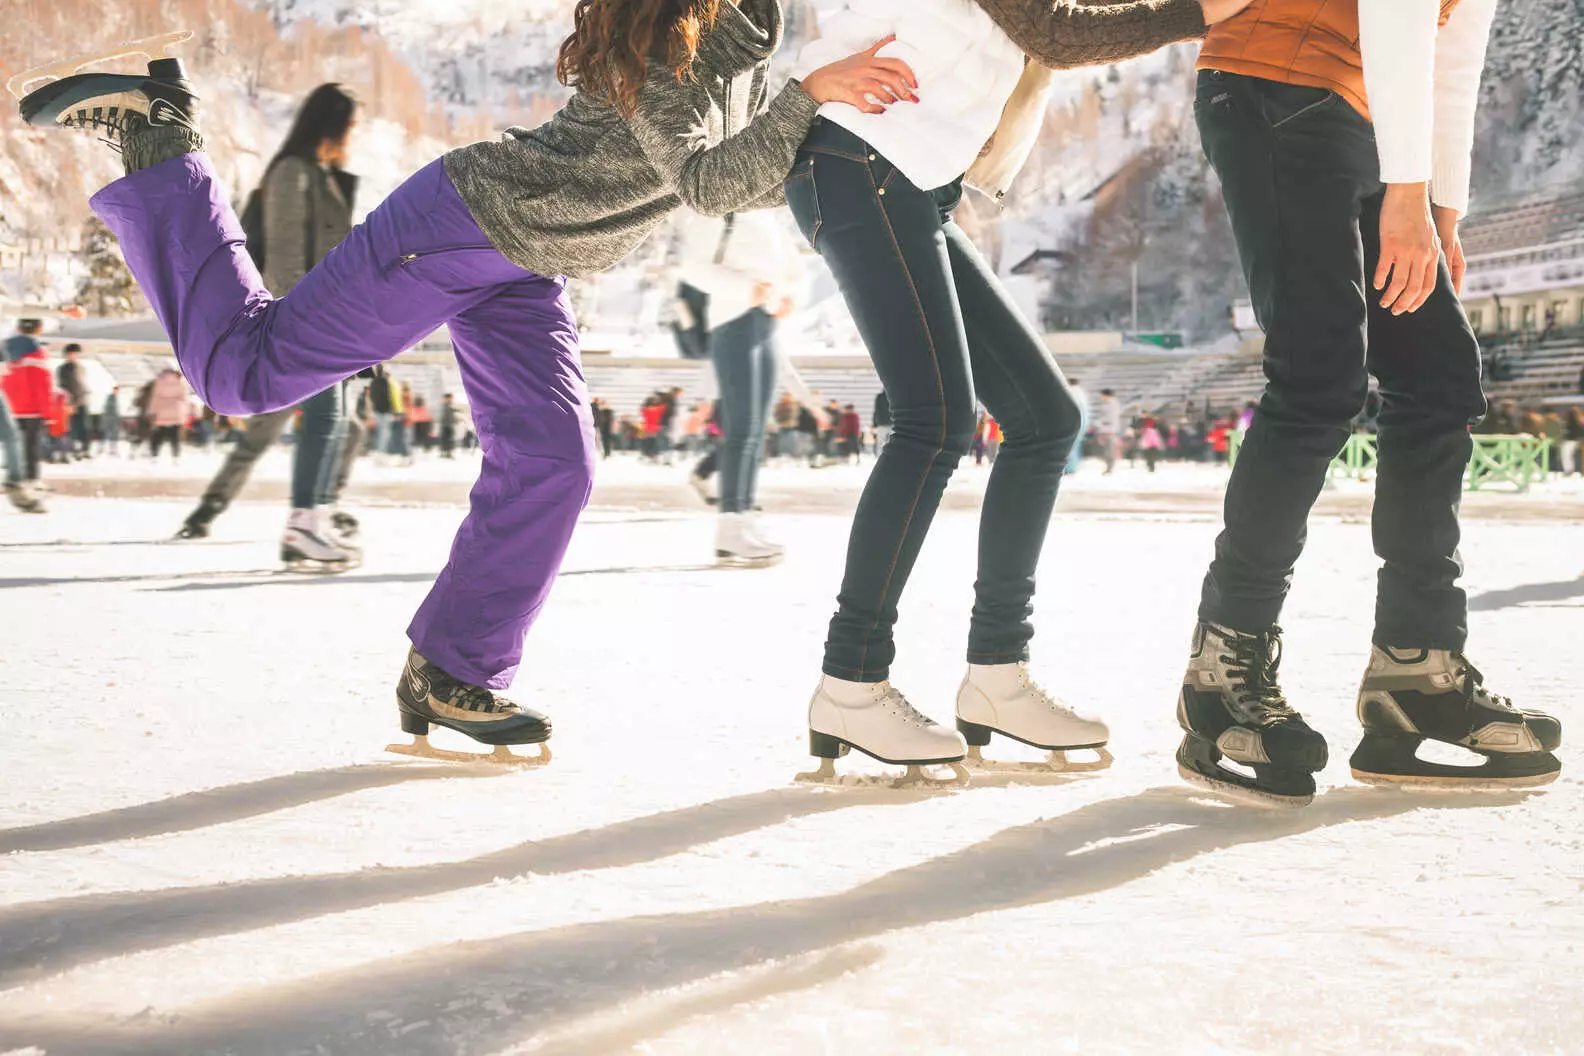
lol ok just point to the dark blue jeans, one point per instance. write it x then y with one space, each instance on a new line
1299 172
316 460
944 336
744 354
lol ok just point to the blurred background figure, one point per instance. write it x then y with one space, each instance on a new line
301 211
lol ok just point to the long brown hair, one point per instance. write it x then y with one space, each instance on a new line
613 41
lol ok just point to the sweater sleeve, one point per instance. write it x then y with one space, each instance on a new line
1397 39
1063 34
1459 61
671 126
286 191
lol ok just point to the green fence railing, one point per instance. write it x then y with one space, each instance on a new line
1517 460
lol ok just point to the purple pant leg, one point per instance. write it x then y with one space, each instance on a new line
518 353
245 351
418 261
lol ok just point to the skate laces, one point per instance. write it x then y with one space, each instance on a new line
460 694
1043 695
114 123
896 702
1252 670
1474 687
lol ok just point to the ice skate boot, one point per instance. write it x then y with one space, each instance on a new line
428 696
736 546
196 526
1002 698
1232 711
157 106
346 526
25 498
760 534
1410 696
876 719
308 547
703 487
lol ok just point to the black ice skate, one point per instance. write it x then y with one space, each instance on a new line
428 696
1412 695
1232 710
196 526
113 106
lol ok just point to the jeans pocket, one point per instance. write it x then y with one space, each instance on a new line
1285 103
803 198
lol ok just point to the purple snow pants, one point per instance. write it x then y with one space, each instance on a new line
417 262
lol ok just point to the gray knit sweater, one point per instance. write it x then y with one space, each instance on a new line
577 194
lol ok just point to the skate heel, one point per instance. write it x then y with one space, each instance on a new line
416 725
1386 758
824 746
976 735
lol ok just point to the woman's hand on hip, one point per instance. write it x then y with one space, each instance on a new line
864 80
1221 10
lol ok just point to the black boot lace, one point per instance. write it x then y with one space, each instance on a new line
113 123
460 694
1474 692
1252 672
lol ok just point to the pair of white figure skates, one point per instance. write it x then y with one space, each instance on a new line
877 720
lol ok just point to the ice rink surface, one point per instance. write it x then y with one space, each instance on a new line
203 848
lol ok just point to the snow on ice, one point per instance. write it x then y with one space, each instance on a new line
202 847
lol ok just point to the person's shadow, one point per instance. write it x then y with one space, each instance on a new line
486 995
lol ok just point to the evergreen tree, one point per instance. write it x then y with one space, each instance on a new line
108 289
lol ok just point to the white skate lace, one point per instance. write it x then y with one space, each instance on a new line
897 703
1044 696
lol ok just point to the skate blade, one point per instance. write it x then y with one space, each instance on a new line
502 755
1447 783
1057 762
156 47
735 561
308 566
915 777
1248 797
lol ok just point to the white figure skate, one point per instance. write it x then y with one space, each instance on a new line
876 719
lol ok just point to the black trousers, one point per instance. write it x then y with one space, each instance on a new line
944 336
1302 185
33 430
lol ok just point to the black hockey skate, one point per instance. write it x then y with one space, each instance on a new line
1232 710
1410 696
196 526
113 106
428 696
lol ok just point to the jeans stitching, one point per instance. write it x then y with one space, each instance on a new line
819 218
1277 126
940 445
818 149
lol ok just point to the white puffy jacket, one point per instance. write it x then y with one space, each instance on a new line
727 258
966 66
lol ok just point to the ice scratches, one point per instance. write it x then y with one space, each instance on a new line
654 1015
490 994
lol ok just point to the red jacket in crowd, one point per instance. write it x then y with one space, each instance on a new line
30 387
60 414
